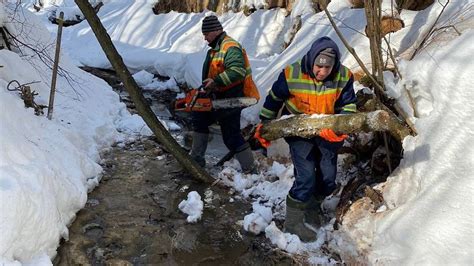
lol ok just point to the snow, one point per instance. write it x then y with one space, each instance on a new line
285 241
193 207
143 77
435 174
47 167
259 219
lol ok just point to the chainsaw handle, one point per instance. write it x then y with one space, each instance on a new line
195 96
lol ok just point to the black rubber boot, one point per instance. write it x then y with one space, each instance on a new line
245 157
199 146
294 220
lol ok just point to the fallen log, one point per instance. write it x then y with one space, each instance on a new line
308 126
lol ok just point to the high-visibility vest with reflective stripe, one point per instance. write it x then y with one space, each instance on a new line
309 96
217 66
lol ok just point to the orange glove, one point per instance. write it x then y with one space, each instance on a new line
258 135
329 135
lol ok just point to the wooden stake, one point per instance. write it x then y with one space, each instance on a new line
55 66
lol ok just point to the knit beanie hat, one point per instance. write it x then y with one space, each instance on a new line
211 23
326 57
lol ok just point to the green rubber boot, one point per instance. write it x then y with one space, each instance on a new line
312 214
199 147
245 157
294 220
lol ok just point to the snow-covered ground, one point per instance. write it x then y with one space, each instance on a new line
47 167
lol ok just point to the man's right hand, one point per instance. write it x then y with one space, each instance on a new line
258 135
209 84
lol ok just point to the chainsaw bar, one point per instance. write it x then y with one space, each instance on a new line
198 101
233 102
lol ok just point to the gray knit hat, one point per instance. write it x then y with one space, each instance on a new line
211 23
326 57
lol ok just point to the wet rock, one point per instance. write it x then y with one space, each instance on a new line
93 230
92 202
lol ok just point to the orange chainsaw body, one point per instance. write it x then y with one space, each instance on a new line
195 101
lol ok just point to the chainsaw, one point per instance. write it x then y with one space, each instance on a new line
198 100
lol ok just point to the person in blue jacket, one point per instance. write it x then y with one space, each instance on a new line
316 84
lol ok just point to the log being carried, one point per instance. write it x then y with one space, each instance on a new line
307 126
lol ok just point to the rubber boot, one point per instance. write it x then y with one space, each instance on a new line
294 220
312 214
199 146
245 157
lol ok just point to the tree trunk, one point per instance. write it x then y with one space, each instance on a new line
373 30
308 126
143 109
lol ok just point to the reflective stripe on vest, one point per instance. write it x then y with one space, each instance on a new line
310 96
217 67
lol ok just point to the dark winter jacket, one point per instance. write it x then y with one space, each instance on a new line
234 64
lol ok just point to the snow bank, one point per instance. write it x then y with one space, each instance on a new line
47 166
431 216
430 208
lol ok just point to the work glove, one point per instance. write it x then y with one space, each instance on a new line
258 135
329 135
209 85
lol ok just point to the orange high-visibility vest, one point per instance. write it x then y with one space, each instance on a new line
309 96
217 66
